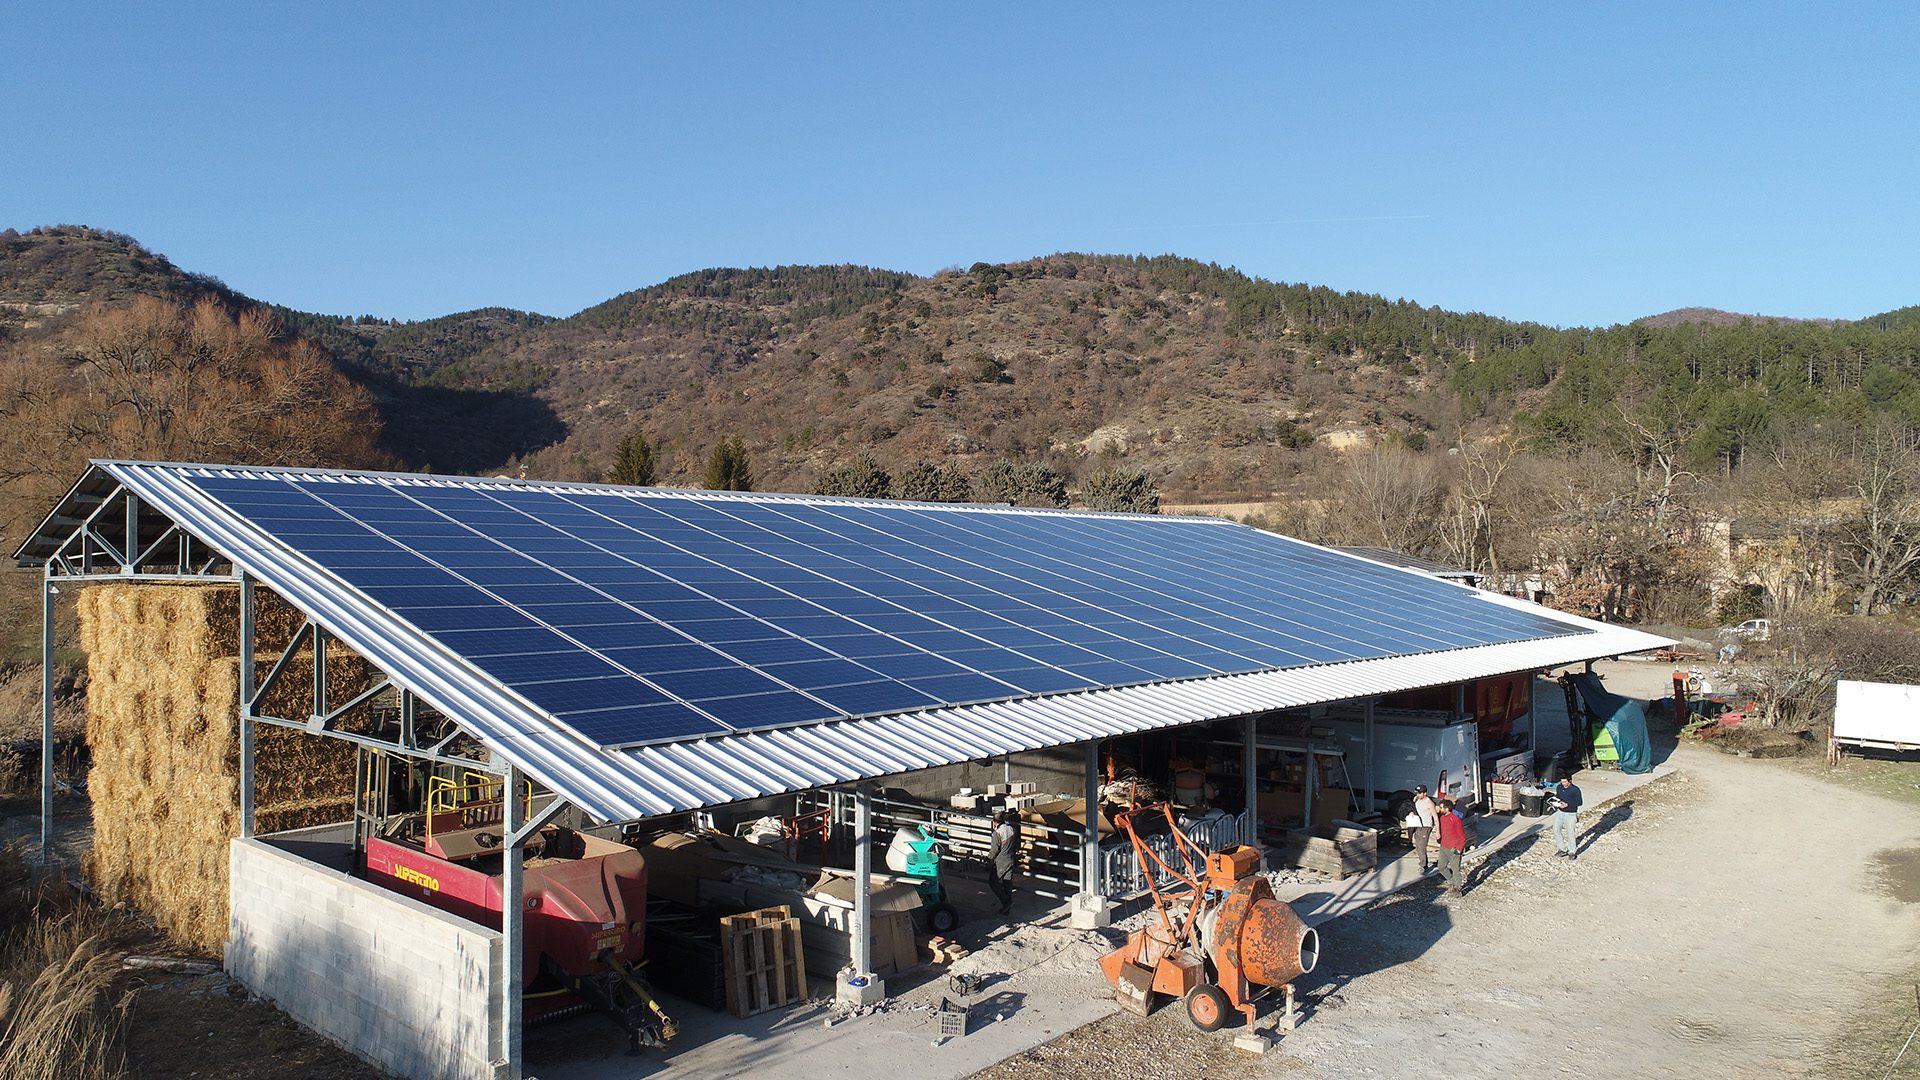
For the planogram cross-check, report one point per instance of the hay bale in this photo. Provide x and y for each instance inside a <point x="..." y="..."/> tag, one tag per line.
<point x="163" y="702"/>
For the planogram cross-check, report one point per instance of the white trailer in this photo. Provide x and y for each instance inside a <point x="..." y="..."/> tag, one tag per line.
<point x="1883" y="715"/>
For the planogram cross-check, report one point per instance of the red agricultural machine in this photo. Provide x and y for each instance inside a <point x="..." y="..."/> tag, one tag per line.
<point x="586" y="900"/>
<point x="1221" y="938"/>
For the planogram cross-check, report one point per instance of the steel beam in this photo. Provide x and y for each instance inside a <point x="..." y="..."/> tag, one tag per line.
<point x="46" y="721"/>
<point x="246" y="706"/>
<point x="1367" y="770"/>
<point x="387" y="745"/>
<point x="513" y="913"/>
<point x="537" y="821"/>
<point x="1249" y="750"/>
<point x="862" y="880"/>
<point x="1090" y="837"/>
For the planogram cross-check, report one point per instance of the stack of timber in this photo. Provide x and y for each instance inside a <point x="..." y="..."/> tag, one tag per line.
<point x="766" y="967"/>
<point x="1339" y="850"/>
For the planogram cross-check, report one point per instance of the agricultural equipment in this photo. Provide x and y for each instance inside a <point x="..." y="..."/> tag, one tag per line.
<point x="917" y="852"/>
<point x="1219" y="943"/>
<point x="586" y="900"/>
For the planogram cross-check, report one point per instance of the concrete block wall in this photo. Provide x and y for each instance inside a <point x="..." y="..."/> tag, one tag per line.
<point x="406" y="986"/>
<point x="1057" y="772"/>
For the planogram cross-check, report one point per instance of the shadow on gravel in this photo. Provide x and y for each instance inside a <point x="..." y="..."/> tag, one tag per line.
<point x="1616" y="815"/>
<point x="1397" y="929"/>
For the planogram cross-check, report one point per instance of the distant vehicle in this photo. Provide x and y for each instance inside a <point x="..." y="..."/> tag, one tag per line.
<point x="1751" y="630"/>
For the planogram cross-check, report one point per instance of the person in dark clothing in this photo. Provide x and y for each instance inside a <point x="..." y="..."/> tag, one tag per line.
<point x="1565" y="800"/>
<point x="1000" y="856"/>
<point x="1453" y="846"/>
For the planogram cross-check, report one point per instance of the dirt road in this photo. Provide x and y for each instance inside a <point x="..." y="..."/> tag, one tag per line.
<point x="1736" y="920"/>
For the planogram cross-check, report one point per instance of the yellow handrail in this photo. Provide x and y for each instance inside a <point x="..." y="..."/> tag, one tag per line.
<point x="470" y="792"/>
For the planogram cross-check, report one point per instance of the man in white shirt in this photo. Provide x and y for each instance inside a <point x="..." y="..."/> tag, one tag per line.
<point x="1421" y="815"/>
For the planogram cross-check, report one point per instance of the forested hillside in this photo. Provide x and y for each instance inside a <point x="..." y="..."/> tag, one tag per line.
<point x="1342" y="416"/>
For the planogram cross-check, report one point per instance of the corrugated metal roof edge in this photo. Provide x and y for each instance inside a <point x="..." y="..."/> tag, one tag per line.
<point x="846" y="751"/>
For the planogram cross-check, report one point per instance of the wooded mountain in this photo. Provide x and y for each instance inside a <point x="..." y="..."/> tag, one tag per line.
<point x="1211" y="381"/>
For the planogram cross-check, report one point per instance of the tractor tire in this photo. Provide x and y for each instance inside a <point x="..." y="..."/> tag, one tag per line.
<point x="943" y="918"/>
<point x="1207" y="1007"/>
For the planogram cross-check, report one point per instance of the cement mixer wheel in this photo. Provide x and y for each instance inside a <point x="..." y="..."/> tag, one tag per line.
<point x="1207" y="1007"/>
<point x="943" y="918"/>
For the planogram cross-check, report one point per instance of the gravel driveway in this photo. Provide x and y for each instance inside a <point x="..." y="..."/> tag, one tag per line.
<point x="1732" y="920"/>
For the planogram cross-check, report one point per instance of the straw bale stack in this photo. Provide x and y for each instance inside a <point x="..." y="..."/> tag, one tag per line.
<point x="163" y="703"/>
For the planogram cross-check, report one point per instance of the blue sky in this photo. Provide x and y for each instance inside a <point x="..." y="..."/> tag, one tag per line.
<point x="1532" y="161"/>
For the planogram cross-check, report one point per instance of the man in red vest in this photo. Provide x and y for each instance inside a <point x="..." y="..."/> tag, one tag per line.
<point x="1453" y="845"/>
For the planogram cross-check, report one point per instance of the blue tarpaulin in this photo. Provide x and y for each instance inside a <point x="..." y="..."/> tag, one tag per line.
<point x="1626" y="721"/>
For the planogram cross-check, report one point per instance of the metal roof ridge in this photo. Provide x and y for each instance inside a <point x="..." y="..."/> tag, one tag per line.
<point x="648" y="491"/>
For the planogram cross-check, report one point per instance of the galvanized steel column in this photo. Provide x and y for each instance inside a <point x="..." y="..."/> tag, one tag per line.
<point x="246" y="706"/>
<point x="862" y="881"/>
<point x="1250" y="815"/>
<point x="46" y="719"/>
<point x="1532" y="680"/>
<point x="1090" y="835"/>
<point x="513" y="911"/>
<point x="1367" y="770"/>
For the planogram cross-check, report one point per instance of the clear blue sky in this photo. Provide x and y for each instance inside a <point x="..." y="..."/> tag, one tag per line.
<point x="1532" y="161"/>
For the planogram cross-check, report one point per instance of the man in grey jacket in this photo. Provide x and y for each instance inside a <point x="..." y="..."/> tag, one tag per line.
<point x="1001" y="851"/>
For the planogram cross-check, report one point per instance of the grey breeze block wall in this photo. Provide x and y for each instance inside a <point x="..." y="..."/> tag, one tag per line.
<point x="406" y="986"/>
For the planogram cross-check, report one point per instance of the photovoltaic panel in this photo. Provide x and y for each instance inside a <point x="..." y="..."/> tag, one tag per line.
<point x="640" y="615"/>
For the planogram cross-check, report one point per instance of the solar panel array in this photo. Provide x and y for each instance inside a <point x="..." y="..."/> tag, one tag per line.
<point x="638" y="616"/>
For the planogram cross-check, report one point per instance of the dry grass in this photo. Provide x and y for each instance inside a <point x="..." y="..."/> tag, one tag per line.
<point x="14" y="780"/>
<point x="62" y="1015"/>
<point x="20" y="708"/>
<point x="162" y="725"/>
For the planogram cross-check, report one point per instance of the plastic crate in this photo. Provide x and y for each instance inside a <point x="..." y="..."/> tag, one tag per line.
<point x="953" y="1019"/>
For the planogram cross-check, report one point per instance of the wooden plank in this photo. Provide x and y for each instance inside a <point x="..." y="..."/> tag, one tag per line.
<point x="791" y="927"/>
<point x="756" y="971"/>
<point x="774" y="950"/>
<point x="736" y="969"/>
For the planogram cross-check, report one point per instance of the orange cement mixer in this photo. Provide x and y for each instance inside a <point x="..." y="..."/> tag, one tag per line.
<point x="1219" y="941"/>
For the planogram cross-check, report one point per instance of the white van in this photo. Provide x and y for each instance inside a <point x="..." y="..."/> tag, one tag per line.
<point x="1410" y="746"/>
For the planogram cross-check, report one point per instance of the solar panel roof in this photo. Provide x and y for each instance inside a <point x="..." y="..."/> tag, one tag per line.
<point x="637" y="616"/>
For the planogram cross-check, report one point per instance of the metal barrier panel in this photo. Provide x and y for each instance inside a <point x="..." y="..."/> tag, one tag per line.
<point x="1049" y="858"/>
<point x="1049" y="862"/>
<point x="1123" y="877"/>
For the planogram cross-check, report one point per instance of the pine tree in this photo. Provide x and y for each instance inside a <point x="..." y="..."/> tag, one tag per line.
<point x="1122" y="491"/>
<point x="861" y="478"/>
<point x="632" y="462"/>
<point x="727" y="468"/>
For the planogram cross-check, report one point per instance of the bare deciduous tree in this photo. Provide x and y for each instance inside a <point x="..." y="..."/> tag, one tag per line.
<point x="1877" y="546"/>
<point x="1392" y="498"/>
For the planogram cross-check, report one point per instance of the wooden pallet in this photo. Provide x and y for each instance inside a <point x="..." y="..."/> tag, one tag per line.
<point x="1502" y="797"/>
<point x="764" y="961"/>
<point x="1338" y="851"/>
